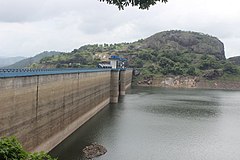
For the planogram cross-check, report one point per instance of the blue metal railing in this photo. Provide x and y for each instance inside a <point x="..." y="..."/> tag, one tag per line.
<point x="7" y="73"/>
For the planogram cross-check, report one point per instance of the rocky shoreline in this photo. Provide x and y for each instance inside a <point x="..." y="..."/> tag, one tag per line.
<point x="188" y="82"/>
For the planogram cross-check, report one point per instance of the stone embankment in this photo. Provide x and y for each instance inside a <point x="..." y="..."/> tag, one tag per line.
<point x="188" y="82"/>
<point x="170" y="82"/>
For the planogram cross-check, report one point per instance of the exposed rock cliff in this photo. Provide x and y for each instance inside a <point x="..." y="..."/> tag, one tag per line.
<point x="184" y="41"/>
<point x="235" y="60"/>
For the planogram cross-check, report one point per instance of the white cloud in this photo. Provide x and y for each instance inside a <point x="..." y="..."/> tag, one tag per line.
<point x="29" y="27"/>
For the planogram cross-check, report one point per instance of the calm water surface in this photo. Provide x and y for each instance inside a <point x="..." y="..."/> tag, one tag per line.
<point x="162" y="124"/>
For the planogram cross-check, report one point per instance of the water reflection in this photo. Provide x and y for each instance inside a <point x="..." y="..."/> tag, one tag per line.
<point x="179" y="103"/>
<point x="184" y="111"/>
<point x="186" y="108"/>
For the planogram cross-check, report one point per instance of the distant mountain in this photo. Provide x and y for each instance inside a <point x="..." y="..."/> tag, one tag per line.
<point x="235" y="60"/>
<point x="36" y="59"/>
<point x="6" y="61"/>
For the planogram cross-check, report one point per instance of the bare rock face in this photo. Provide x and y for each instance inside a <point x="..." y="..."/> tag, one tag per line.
<point x="183" y="41"/>
<point x="94" y="150"/>
<point x="179" y="82"/>
<point x="235" y="60"/>
<point x="170" y="82"/>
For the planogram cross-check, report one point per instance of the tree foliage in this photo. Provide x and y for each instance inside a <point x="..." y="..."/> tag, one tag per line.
<point x="230" y="68"/>
<point x="11" y="149"/>
<point x="208" y="62"/>
<point x="142" y="4"/>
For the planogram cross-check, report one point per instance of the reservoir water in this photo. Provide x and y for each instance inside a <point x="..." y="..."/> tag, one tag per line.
<point x="162" y="124"/>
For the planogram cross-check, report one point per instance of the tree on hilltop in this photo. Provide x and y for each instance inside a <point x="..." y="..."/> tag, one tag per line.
<point x="142" y="4"/>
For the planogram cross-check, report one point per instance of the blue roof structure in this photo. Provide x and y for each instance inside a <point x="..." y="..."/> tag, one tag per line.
<point x="114" y="57"/>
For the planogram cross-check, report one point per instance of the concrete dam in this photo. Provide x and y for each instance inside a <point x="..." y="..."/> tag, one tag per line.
<point x="43" y="107"/>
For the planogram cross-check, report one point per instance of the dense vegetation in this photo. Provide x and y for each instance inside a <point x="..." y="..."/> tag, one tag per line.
<point x="11" y="149"/>
<point x="165" y="53"/>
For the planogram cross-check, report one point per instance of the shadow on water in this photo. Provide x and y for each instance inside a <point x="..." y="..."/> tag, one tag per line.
<point x="83" y="136"/>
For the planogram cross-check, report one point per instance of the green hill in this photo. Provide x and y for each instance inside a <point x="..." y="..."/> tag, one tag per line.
<point x="165" y="53"/>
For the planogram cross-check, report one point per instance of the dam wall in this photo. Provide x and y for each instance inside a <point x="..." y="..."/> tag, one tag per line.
<point x="125" y="80"/>
<point x="42" y="110"/>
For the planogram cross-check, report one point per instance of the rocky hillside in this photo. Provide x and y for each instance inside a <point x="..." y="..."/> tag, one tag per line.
<point x="191" y="42"/>
<point x="235" y="60"/>
<point x="177" y="53"/>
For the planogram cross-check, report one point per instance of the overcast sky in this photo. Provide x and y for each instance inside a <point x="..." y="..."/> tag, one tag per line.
<point x="28" y="27"/>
